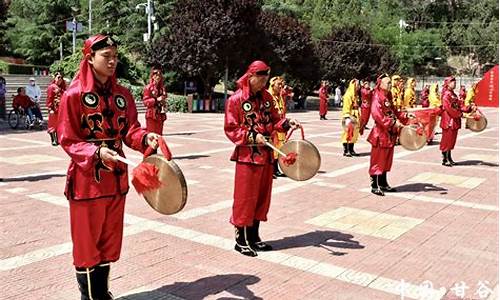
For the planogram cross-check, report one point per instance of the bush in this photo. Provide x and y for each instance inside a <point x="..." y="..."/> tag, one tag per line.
<point x="68" y="66"/>
<point x="177" y="103"/>
<point x="136" y="90"/>
<point x="3" y="67"/>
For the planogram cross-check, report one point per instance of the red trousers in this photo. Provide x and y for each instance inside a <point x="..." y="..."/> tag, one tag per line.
<point x="252" y="193"/>
<point x="323" y="107"/>
<point x="381" y="160"/>
<point x="52" y="122"/>
<point x="365" y="117"/>
<point x="154" y="125"/>
<point x="96" y="230"/>
<point x="448" y="139"/>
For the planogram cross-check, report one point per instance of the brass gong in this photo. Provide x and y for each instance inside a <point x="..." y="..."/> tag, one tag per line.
<point x="171" y="197"/>
<point x="476" y="125"/>
<point x="410" y="139"/>
<point x="307" y="163"/>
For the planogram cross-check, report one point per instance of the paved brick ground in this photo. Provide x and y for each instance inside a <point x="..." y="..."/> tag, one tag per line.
<point x="333" y="239"/>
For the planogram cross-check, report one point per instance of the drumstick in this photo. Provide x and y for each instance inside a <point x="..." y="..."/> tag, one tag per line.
<point x="125" y="160"/>
<point x="275" y="149"/>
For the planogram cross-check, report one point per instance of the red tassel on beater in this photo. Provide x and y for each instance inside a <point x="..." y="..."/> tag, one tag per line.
<point x="145" y="175"/>
<point x="289" y="159"/>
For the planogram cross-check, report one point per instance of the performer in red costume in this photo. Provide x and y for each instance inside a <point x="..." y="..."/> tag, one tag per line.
<point x="54" y="94"/>
<point x="323" y="100"/>
<point x="366" y="102"/>
<point x="96" y="116"/>
<point x="155" y="97"/>
<point x="462" y="94"/>
<point x="424" y="96"/>
<point x="249" y="121"/>
<point x="451" y="118"/>
<point x="388" y="121"/>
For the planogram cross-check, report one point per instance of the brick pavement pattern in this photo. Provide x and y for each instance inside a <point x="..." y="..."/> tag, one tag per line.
<point x="434" y="239"/>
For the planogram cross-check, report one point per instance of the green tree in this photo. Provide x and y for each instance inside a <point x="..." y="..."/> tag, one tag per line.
<point x="4" y="7"/>
<point x="37" y="27"/>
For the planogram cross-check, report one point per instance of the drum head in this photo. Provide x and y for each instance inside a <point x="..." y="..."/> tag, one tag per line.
<point x="171" y="197"/>
<point x="410" y="139"/>
<point x="307" y="162"/>
<point x="477" y="126"/>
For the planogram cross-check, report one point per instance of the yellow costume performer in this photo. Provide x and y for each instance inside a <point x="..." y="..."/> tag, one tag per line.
<point x="410" y="95"/>
<point x="397" y="91"/>
<point x="434" y="98"/>
<point x="351" y="117"/>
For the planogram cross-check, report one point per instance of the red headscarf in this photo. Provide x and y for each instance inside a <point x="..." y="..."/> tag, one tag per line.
<point x="253" y="68"/>
<point x="447" y="81"/>
<point x="85" y="75"/>
<point x="62" y="86"/>
<point x="160" y="85"/>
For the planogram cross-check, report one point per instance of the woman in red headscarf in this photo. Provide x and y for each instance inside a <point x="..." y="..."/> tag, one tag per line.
<point x="54" y="94"/>
<point x="155" y="99"/>
<point x="388" y="121"/>
<point x="424" y="96"/>
<point x="451" y="118"/>
<point x="323" y="100"/>
<point x="250" y="120"/>
<point x="96" y="116"/>
<point x="366" y="103"/>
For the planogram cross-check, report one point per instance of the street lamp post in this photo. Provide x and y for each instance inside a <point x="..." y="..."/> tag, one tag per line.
<point x="149" y="13"/>
<point x="90" y="17"/>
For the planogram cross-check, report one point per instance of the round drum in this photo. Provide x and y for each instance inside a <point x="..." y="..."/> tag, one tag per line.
<point x="171" y="197"/>
<point x="307" y="162"/>
<point x="410" y="138"/>
<point x="477" y="126"/>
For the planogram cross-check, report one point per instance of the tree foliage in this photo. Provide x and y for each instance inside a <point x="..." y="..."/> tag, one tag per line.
<point x="350" y="52"/>
<point x="206" y="37"/>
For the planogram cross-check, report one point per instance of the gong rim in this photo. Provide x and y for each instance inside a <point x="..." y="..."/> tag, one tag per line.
<point x="410" y="139"/>
<point x="308" y="160"/>
<point x="171" y="197"/>
<point x="477" y="126"/>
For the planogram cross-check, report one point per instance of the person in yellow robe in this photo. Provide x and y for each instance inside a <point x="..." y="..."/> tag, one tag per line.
<point x="397" y="91"/>
<point x="469" y="100"/>
<point x="410" y="95"/>
<point x="351" y="117"/>
<point x="434" y="98"/>
<point x="276" y="85"/>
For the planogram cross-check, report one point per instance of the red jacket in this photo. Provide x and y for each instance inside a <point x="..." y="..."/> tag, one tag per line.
<point x="53" y="91"/>
<point x="366" y="95"/>
<point x="153" y="111"/>
<point x="451" y="116"/>
<point x="22" y="101"/>
<point x="323" y="94"/>
<point x="84" y="117"/>
<point x="245" y="118"/>
<point x="384" y="134"/>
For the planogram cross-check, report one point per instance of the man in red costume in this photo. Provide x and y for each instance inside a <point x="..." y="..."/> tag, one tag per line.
<point x="155" y="97"/>
<point x="451" y="118"/>
<point x="54" y="93"/>
<point x="22" y="101"/>
<point x="388" y="121"/>
<point x="249" y="121"/>
<point x="96" y="116"/>
<point x="323" y="100"/>
<point x="366" y="102"/>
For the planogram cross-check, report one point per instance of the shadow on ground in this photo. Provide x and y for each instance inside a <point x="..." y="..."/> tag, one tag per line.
<point x="420" y="187"/>
<point x="234" y="284"/>
<point x="31" y="178"/>
<point x="320" y="238"/>
<point x="475" y="163"/>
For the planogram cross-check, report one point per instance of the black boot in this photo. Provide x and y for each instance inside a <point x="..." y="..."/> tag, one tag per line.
<point x="102" y="273"/>
<point x="351" y="149"/>
<point x="346" y="150"/>
<point x="53" y="138"/>
<point x="450" y="159"/>
<point x="93" y="283"/>
<point x="243" y="241"/>
<point x="375" y="185"/>
<point x="256" y="242"/>
<point x="384" y="186"/>
<point x="445" y="159"/>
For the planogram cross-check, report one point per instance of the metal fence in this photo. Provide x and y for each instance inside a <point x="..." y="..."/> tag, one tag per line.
<point x="467" y="81"/>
